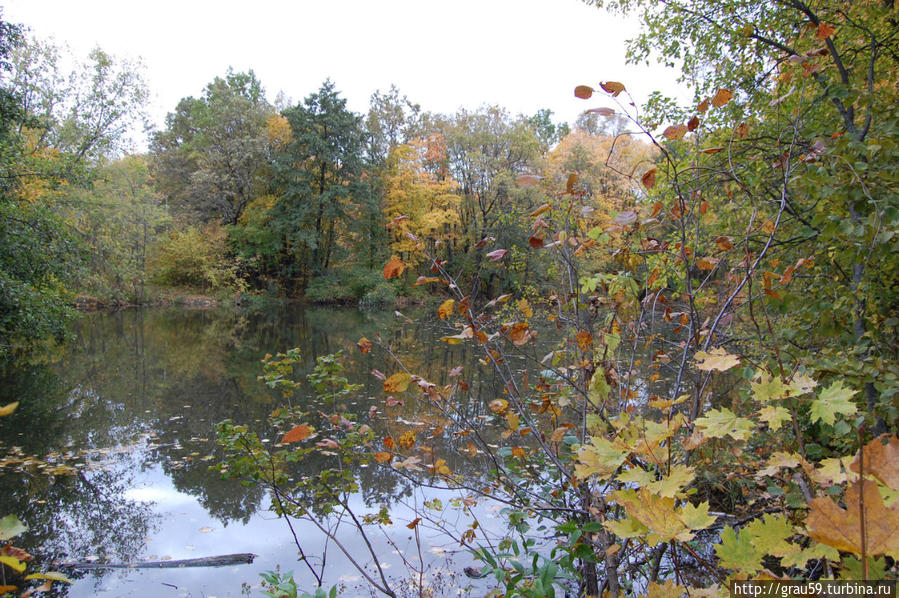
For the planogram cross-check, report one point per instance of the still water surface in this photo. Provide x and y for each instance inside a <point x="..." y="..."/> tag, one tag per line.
<point x="131" y="404"/>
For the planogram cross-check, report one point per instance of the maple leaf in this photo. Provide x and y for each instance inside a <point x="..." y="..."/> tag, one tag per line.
<point x="824" y="31"/>
<point x="716" y="359"/>
<point x="697" y="517"/>
<point x="584" y="340"/>
<point x="398" y="382"/>
<point x="672" y="484"/>
<point x="769" y="534"/>
<point x="774" y="416"/>
<point x="599" y="457"/>
<point x="880" y="460"/>
<point x="768" y="387"/>
<point x="718" y="423"/>
<point x="669" y="589"/>
<point x="833" y="400"/>
<point x="840" y="528"/>
<point x="656" y="513"/>
<point x="738" y="552"/>
<point x="778" y="461"/>
<point x="796" y="556"/>
<point x="626" y="528"/>
<point x="446" y="309"/>
<point x="297" y="434"/>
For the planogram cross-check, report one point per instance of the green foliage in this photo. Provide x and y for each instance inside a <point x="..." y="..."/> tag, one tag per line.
<point x="195" y="257"/>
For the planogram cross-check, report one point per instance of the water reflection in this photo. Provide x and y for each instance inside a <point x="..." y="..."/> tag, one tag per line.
<point x="131" y="405"/>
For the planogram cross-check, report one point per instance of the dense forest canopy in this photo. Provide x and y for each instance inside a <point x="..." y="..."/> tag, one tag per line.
<point x="742" y="245"/>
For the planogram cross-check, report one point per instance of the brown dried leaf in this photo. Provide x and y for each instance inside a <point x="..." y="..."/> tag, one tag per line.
<point x="675" y="132"/>
<point x="881" y="460"/>
<point x="649" y="178"/>
<point x="722" y="97"/>
<point x="583" y="91"/>
<point x="612" y="87"/>
<point x="832" y="525"/>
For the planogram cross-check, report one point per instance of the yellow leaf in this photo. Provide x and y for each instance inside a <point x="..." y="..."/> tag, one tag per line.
<point x="383" y="457"/>
<point x="8" y="408"/>
<point x="881" y="460"/>
<point x="446" y="309"/>
<point x="545" y="207"/>
<point x="398" y="382"/>
<point x="525" y="308"/>
<point x="12" y="563"/>
<point x="716" y="359"/>
<point x="674" y="132"/>
<point x="512" y="420"/>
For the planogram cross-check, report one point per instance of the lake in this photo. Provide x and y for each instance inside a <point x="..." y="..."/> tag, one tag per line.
<point x="130" y="406"/>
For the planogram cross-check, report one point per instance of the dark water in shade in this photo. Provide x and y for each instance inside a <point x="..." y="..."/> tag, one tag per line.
<point x="131" y="404"/>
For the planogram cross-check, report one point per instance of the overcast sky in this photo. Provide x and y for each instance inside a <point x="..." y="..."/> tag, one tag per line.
<point x="520" y="54"/>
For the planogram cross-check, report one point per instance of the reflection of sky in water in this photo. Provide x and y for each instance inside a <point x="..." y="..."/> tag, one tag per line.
<point x="186" y="530"/>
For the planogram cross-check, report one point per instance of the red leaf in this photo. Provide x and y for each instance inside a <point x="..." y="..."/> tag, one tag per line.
<point x="535" y="242"/>
<point x="364" y="345"/>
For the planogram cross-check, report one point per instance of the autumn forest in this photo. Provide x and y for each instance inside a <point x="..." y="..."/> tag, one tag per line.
<point x="689" y="308"/>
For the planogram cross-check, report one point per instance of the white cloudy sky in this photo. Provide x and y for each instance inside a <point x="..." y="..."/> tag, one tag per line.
<point x="520" y="54"/>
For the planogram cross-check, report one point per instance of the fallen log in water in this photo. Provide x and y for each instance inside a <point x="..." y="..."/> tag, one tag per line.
<point x="206" y="561"/>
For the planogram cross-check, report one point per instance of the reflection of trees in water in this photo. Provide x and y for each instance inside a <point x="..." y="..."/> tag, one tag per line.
<point x="175" y="373"/>
<point x="73" y="517"/>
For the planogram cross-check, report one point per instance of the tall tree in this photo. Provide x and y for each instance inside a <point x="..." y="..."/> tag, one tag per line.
<point x="210" y="159"/>
<point x="319" y="177"/>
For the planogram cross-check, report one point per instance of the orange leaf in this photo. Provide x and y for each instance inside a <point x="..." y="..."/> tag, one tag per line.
<point x="711" y="150"/>
<point x="426" y="279"/>
<point x="612" y="87"/>
<point x="693" y="123"/>
<point x="584" y="340"/>
<point x="825" y="31"/>
<point x="703" y="106"/>
<point x="519" y="452"/>
<point x="398" y="382"/>
<point x="675" y="132"/>
<point x="707" y="263"/>
<point x="880" y="461"/>
<point x="724" y="243"/>
<point x="394" y="267"/>
<point x="656" y="208"/>
<point x="742" y="130"/>
<point x="829" y="524"/>
<point x="721" y="97"/>
<point x="389" y="442"/>
<point x="364" y="345"/>
<point x="649" y="178"/>
<point x="414" y="523"/>
<point x="298" y="433"/>
<point x="446" y="309"/>
<point x="583" y="91"/>
<point x="383" y="457"/>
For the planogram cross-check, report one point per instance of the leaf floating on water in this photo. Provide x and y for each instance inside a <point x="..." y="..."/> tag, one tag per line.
<point x="10" y="527"/>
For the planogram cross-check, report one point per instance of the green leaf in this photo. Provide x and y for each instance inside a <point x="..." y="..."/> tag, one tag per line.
<point x="768" y="388"/>
<point x="626" y="528"/>
<point x="738" y="553"/>
<point x="835" y="399"/>
<point x="10" y="527"/>
<point x="774" y="416"/>
<point x="599" y="457"/>
<point x="769" y="534"/>
<point x="719" y="423"/>
<point x="697" y="517"/>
